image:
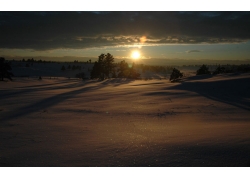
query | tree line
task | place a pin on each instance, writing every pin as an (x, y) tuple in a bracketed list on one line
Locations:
[(106, 68), (221, 69), (63, 68)]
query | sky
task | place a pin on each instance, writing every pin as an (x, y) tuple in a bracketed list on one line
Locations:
[(164, 35)]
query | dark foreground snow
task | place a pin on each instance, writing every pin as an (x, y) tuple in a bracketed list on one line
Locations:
[(202, 121)]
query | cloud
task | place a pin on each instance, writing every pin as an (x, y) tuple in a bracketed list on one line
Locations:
[(74, 30), (193, 51)]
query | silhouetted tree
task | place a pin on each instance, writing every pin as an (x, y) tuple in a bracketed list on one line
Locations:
[(114, 74), (103, 67), (4, 69), (63, 68), (96, 70), (80, 75), (123, 70), (244, 68), (108, 64), (219, 70), (132, 73), (176, 74), (203, 70), (127, 72)]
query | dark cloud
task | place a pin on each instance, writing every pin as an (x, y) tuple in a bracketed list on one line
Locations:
[(52, 30), (193, 51)]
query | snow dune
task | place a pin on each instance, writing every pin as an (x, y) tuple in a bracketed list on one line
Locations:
[(201, 121)]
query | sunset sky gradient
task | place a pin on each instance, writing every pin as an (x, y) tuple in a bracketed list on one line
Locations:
[(155, 34)]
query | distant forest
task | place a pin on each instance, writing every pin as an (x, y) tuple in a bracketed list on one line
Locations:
[(105, 67), (32, 60)]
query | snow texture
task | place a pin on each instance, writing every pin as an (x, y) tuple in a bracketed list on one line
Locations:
[(201, 121)]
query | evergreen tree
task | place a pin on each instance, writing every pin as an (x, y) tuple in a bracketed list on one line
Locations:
[(175, 75), (80, 75), (63, 68), (203, 70), (4, 69), (123, 69), (132, 73), (127, 72), (108, 64), (219, 70), (103, 67), (114, 74), (96, 71)]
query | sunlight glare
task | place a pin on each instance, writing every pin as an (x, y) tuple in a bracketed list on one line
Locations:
[(135, 55)]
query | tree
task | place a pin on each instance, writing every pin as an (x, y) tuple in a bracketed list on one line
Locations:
[(103, 67), (80, 75), (123, 70), (132, 73), (63, 68), (96, 71), (219, 70), (108, 64), (4, 69), (114, 74), (203, 70), (176, 74), (127, 72)]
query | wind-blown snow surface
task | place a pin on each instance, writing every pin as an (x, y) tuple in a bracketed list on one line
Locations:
[(202, 121)]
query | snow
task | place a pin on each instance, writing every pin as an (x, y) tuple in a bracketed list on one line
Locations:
[(201, 121)]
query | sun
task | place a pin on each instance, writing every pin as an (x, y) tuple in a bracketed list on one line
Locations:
[(135, 55)]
